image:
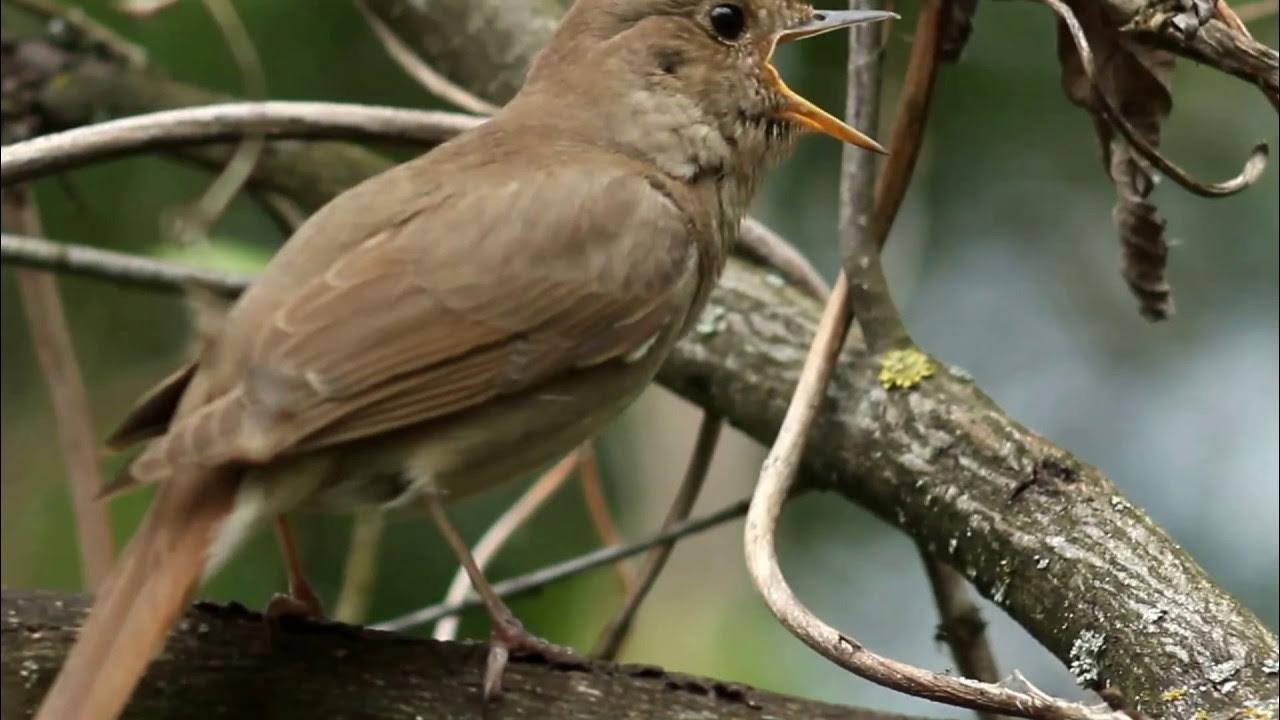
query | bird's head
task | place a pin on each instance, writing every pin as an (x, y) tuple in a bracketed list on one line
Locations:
[(689, 84)]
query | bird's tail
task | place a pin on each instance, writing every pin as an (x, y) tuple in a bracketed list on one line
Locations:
[(143, 597)]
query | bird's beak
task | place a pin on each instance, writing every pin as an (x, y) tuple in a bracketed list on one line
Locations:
[(803, 112)]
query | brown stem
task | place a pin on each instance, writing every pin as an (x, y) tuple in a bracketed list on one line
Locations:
[(56, 356), (960, 624), (420, 70), (615, 633), (592, 486)]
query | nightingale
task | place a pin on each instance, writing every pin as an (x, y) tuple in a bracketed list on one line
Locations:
[(463, 318)]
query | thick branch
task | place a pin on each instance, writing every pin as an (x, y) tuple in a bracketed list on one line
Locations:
[(223, 662)]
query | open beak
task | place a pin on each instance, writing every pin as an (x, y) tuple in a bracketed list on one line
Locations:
[(805, 113)]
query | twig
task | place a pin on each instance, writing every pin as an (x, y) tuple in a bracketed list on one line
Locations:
[(960, 624), (759, 242), (1249, 174), (499, 533), (862, 228), (114, 266), (532, 581), (194, 222), (361, 570), (217, 123), (704, 448), (592, 487), (421, 71), (79, 21), (56, 355)]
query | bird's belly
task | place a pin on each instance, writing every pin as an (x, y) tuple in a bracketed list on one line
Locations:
[(503, 440)]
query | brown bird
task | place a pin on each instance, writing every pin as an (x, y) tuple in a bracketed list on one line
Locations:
[(466, 317)]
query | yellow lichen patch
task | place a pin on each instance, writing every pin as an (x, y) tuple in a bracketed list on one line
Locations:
[(1254, 714), (1174, 694), (1201, 715), (904, 368)]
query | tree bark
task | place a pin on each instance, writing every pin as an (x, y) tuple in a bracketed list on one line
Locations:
[(225, 662), (1045, 536)]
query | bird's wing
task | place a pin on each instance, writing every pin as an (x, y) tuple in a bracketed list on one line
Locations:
[(497, 284)]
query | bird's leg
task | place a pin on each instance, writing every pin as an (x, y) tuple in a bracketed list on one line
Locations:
[(507, 634), (301, 601)]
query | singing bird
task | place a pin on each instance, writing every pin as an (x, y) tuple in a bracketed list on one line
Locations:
[(466, 317)]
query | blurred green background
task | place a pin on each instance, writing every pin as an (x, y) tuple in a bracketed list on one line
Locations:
[(1004, 261)]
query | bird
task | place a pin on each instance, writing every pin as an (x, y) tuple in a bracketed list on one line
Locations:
[(464, 318)]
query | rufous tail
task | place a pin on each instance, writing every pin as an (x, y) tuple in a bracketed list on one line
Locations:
[(143, 597)]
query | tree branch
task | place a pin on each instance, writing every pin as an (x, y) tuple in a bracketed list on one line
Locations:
[(221, 663)]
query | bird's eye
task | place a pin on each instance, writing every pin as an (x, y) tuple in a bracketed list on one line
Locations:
[(728, 20)]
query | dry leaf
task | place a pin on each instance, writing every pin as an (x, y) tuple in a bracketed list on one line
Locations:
[(1136, 79)]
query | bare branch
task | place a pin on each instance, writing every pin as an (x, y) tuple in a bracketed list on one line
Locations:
[(56, 356), (194, 222), (759, 242), (210, 671), (361, 568), (592, 486), (604, 556), (79, 21), (499, 533), (422, 72), (129, 270), (219, 123), (615, 633), (961, 625)]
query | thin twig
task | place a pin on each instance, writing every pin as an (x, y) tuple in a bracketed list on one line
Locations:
[(1249, 174), (193, 223), (121, 268), (960, 624), (499, 533), (759, 242), (361, 569), (530, 582), (421, 71), (79, 21), (56, 355), (615, 633), (47, 154), (862, 228), (592, 486)]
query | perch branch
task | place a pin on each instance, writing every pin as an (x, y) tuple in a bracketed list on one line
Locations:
[(210, 670)]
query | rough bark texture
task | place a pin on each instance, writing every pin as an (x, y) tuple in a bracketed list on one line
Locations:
[(1047, 537), (224, 663)]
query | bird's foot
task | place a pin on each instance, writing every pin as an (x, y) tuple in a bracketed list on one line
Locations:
[(509, 636), (301, 602)]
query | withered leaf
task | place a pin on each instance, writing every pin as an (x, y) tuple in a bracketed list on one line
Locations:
[(1136, 79)]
